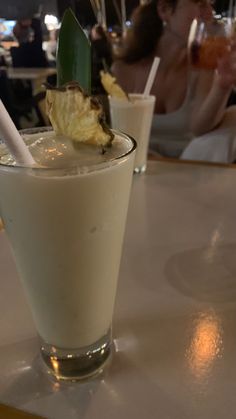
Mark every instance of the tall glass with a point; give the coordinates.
(66, 228)
(134, 117)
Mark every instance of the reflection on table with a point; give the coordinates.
(174, 323)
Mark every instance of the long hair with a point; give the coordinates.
(146, 28)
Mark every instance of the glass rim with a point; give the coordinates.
(144, 98)
(81, 168)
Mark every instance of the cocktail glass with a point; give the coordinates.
(66, 228)
(208, 42)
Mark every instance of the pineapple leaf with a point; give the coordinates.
(73, 54)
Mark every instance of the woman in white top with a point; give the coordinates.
(160, 28)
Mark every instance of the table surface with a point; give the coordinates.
(175, 314)
(29, 73)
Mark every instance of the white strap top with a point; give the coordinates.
(170, 132)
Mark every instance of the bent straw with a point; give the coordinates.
(13, 140)
(151, 76)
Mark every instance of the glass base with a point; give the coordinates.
(140, 169)
(78, 364)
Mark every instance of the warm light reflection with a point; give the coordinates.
(113, 393)
(26, 368)
(214, 241)
(125, 344)
(54, 151)
(55, 364)
(215, 237)
(206, 344)
(56, 386)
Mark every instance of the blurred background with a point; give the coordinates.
(28, 45)
(14, 10)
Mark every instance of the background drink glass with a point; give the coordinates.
(66, 228)
(208, 42)
(134, 117)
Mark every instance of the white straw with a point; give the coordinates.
(123, 16)
(117, 10)
(151, 76)
(94, 8)
(104, 16)
(13, 140)
(231, 9)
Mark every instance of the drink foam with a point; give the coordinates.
(56, 151)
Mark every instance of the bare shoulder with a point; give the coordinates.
(121, 70)
(131, 76)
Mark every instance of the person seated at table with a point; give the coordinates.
(187, 104)
(50, 47)
(16, 108)
(29, 53)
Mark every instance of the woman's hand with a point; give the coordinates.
(226, 70)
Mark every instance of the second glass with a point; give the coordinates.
(134, 117)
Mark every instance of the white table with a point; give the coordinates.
(29, 73)
(37, 76)
(175, 315)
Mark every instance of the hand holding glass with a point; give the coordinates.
(209, 42)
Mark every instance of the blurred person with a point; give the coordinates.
(16, 107)
(29, 53)
(50, 47)
(188, 103)
(3, 56)
(101, 56)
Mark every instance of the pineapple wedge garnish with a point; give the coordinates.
(1, 224)
(111, 86)
(76, 115)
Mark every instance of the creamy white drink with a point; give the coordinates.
(66, 223)
(134, 117)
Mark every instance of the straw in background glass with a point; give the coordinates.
(231, 10)
(151, 76)
(117, 10)
(94, 7)
(104, 16)
(123, 16)
(99, 10)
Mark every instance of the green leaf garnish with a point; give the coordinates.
(74, 53)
